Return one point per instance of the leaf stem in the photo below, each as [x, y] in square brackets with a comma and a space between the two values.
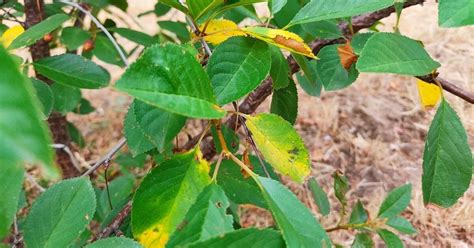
[242, 165]
[218, 165]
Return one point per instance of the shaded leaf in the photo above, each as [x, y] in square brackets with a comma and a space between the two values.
[120, 189]
[280, 145]
[36, 32]
[105, 50]
[359, 214]
[74, 37]
[159, 126]
[341, 186]
[390, 239]
[447, 159]
[394, 53]
[114, 242]
[164, 197]
[362, 240]
[67, 205]
[248, 238]
[330, 70]
[73, 70]
[44, 94]
[279, 70]
[401, 224]
[276, 5]
[137, 141]
[395, 202]
[206, 219]
[320, 197]
[66, 98]
[285, 103]
[299, 227]
[307, 81]
[135, 36]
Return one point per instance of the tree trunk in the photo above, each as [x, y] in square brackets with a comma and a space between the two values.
[34, 10]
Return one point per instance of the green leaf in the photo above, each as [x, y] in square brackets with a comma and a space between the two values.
[84, 107]
[231, 138]
[307, 78]
[135, 36]
[285, 103]
[119, 189]
[76, 135]
[175, 4]
[248, 238]
[44, 94]
[401, 224]
[164, 197]
[298, 226]
[447, 159]
[159, 126]
[240, 189]
[280, 145]
[68, 205]
[318, 10]
[359, 40]
[279, 70]
[66, 98]
[341, 186]
[394, 53]
[105, 50]
[73, 70]
[114, 242]
[237, 67]
[206, 219]
[276, 5]
[330, 71]
[137, 141]
[126, 159]
[362, 240]
[161, 9]
[36, 32]
[395, 202]
[390, 239]
[199, 7]
[180, 29]
[169, 77]
[320, 197]
[455, 13]
[24, 136]
[11, 176]
[322, 30]
[74, 37]
[359, 214]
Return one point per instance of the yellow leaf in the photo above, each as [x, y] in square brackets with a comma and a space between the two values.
[281, 38]
[429, 93]
[10, 34]
[218, 31]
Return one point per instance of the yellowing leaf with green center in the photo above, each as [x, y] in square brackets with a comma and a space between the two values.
[281, 145]
[429, 93]
[10, 34]
[165, 195]
[218, 31]
[281, 38]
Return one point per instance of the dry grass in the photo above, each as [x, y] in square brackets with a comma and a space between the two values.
[373, 131]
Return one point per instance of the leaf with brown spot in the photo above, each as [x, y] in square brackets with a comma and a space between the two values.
[347, 55]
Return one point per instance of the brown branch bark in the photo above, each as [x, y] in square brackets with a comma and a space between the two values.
[34, 10]
[116, 222]
[450, 87]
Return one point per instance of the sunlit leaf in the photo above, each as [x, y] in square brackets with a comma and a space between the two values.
[218, 31]
[10, 34]
[281, 145]
[281, 38]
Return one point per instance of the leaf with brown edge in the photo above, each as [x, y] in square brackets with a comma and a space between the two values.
[347, 55]
[281, 38]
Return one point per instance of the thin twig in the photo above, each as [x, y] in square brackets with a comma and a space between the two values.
[101, 27]
[33, 181]
[68, 151]
[450, 87]
[107, 156]
[116, 222]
